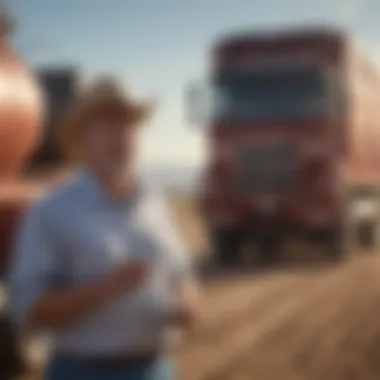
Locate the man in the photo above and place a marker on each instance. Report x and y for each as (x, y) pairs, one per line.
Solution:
(98, 262)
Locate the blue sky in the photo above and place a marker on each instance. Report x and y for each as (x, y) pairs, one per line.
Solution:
(157, 46)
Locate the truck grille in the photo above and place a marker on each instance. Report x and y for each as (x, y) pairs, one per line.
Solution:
(266, 168)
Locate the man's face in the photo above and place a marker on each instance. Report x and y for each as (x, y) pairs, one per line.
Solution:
(110, 142)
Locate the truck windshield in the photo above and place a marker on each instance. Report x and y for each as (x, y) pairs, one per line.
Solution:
(269, 96)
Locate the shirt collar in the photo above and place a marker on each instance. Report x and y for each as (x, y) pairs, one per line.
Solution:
(95, 191)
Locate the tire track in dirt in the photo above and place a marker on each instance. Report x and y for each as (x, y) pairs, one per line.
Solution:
(233, 282)
(215, 331)
(359, 357)
(235, 291)
(234, 344)
(253, 336)
(288, 353)
(338, 363)
(355, 327)
(227, 299)
(234, 311)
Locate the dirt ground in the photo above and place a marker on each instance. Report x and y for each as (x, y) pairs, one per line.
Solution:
(308, 322)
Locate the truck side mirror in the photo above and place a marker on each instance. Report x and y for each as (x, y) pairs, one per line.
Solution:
(196, 105)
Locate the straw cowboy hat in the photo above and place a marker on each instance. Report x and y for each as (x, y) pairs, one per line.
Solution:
(104, 93)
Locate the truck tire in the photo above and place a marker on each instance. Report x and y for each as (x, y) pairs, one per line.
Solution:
(227, 247)
(376, 235)
(369, 235)
(357, 232)
(343, 244)
(269, 248)
(369, 229)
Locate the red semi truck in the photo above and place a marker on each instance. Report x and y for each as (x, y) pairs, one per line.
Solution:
(293, 143)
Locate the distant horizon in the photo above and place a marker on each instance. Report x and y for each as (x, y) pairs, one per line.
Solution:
(171, 177)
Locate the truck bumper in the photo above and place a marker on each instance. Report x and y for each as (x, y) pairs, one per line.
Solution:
(280, 225)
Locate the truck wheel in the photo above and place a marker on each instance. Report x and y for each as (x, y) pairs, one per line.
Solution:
(376, 235)
(269, 250)
(227, 245)
(344, 242)
(369, 236)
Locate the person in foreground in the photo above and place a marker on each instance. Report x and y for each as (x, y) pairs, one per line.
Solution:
(98, 262)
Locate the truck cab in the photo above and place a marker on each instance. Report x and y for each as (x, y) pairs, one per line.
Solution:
(280, 137)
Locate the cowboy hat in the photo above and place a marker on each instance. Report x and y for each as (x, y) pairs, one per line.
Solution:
(105, 92)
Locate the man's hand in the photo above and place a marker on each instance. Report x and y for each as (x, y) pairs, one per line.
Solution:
(186, 312)
(184, 317)
(127, 277)
(59, 309)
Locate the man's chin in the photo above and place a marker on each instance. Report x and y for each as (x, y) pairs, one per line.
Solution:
(118, 170)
